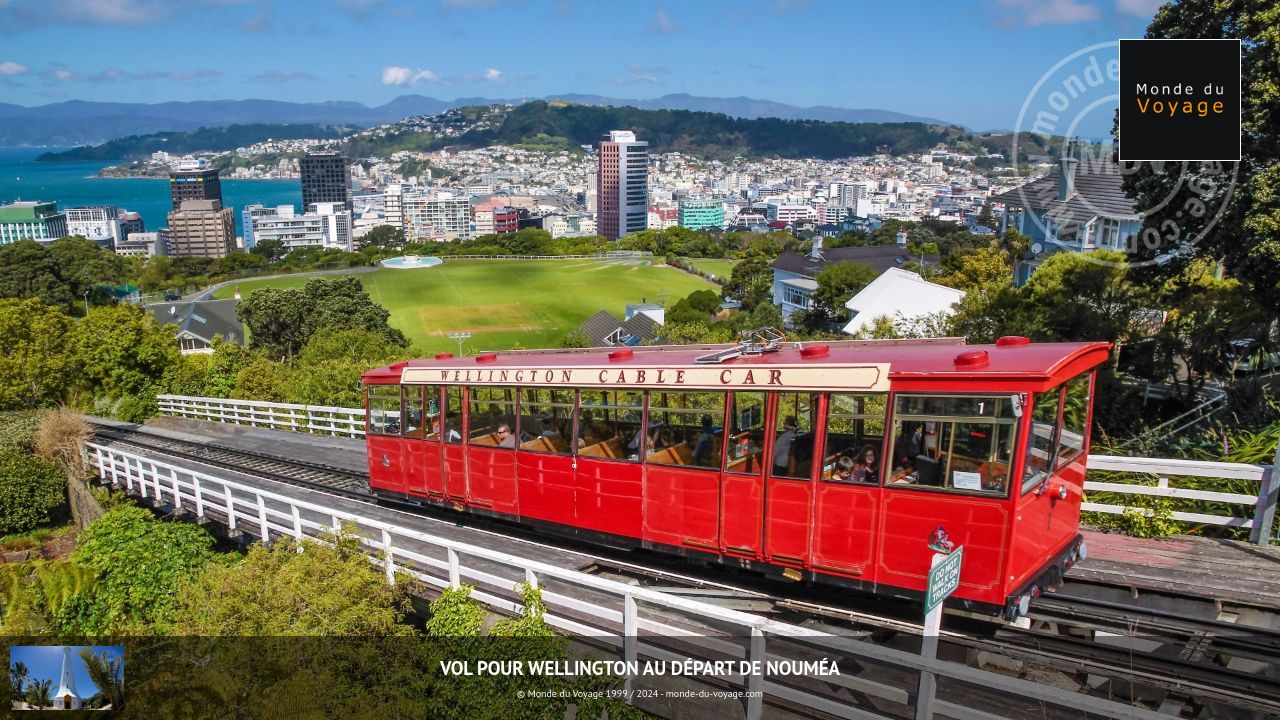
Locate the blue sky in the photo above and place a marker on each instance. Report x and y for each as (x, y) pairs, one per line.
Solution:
(44, 662)
(971, 61)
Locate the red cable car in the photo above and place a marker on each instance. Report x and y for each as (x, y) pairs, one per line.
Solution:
(848, 463)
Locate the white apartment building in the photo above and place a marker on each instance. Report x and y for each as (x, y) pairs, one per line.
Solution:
(99, 223)
(327, 225)
(436, 217)
(789, 212)
(482, 218)
(145, 244)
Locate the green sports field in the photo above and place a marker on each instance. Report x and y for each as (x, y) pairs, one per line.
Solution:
(713, 266)
(504, 302)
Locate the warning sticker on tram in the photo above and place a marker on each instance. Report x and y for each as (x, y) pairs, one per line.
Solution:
(944, 578)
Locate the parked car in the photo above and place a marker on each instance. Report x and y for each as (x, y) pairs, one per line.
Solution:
(1250, 356)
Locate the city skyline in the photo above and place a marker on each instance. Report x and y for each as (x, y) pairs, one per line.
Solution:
(902, 58)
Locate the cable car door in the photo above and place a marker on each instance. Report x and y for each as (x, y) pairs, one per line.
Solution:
(847, 494)
(789, 476)
(454, 453)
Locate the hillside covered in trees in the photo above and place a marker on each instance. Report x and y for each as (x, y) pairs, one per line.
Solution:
(214, 139)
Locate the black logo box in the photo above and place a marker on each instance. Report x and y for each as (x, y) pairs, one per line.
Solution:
(1186, 69)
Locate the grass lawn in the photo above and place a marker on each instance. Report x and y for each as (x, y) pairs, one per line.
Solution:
(713, 266)
(504, 302)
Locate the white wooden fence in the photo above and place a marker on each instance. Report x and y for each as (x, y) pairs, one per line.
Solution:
(637, 622)
(350, 422)
(1263, 501)
(315, 419)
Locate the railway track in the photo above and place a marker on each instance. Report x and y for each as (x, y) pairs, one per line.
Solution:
(1190, 659)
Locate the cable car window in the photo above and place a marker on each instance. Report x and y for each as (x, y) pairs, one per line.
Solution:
(492, 417)
(746, 433)
(412, 411)
(609, 425)
(546, 421)
(384, 409)
(1043, 440)
(793, 440)
(855, 434)
(1075, 413)
(686, 428)
(958, 443)
(453, 414)
(431, 409)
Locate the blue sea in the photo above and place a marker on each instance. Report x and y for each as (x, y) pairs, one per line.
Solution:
(71, 184)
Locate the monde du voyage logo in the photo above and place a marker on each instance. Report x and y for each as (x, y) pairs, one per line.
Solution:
(1180, 100)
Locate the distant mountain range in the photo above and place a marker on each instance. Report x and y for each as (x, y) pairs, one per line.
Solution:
(80, 122)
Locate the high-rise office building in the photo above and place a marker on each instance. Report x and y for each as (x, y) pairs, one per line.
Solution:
(623, 186)
(194, 184)
(100, 223)
(202, 228)
(27, 220)
(325, 179)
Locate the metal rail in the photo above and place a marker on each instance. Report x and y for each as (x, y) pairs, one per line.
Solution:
(639, 623)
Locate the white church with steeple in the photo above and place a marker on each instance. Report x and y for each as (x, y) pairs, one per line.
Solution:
(67, 698)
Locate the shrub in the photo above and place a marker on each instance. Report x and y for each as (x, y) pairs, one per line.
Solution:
(135, 409)
(30, 489)
(60, 436)
(141, 564)
(17, 430)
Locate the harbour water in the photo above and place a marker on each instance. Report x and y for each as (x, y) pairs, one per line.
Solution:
(71, 184)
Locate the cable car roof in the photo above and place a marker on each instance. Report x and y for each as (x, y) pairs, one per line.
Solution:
(825, 365)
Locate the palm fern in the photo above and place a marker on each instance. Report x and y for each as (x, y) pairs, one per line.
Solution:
(107, 673)
(18, 675)
(40, 694)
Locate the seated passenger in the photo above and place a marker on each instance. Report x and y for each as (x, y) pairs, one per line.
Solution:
(782, 446)
(550, 430)
(908, 445)
(843, 471)
(704, 445)
(866, 468)
(505, 437)
(663, 439)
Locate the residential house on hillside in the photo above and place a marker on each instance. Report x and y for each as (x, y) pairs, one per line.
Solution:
(642, 324)
(795, 275)
(900, 295)
(199, 322)
(1079, 207)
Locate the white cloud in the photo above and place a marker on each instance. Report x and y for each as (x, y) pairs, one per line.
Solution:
(642, 78)
(495, 75)
(1051, 12)
(9, 68)
(88, 12)
(394, 75)
(1140, 8)
(648, 70)
(662, 22)
(276, 77)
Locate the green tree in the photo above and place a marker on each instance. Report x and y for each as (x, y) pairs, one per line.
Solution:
(223, 368)
(40, 694)
(262, 379)
(575, 338)
(124, 351)
(30, 270)
(1246, 236)
(837, 282)
(327, 589)
(282, 321)
(239, 262)
(107, 673)
(987, 217)
(274, 250)
(1083, 296)
(85, 265)
(142, 564)
(37, 358)
(18, 674)
(750, 283)
(383, 236)
(988, 266)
